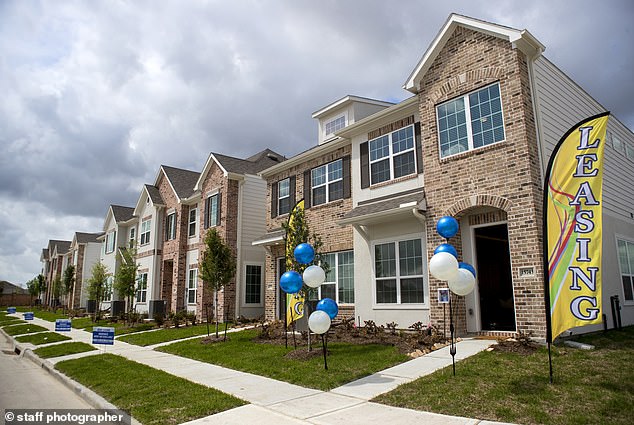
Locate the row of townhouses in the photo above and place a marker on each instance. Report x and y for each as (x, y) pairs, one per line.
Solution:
(473, 141)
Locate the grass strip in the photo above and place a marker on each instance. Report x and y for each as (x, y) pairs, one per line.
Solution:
(346, 362)
(152, 396)
(65, 349)
(42, 338)
(23, 329)
(87, 324)
(49, 316)
(590, 387)
(166, 335)
(5, 321)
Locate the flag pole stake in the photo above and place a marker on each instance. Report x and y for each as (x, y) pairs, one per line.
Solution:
(323, 344)
(550, 363)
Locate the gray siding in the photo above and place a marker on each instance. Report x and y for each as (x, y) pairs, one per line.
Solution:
(561, 103)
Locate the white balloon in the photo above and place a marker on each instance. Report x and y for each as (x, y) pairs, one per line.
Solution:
(319, 322)
(443, 266)
(314, 276)
(463, 283)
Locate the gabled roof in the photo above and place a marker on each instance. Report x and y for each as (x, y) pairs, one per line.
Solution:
(182, 181)
(121, 213)
(154, 194)
(58, 247)
(81, 237)
(44, 255)
(345, 101)
(236, 166)
(521, 39)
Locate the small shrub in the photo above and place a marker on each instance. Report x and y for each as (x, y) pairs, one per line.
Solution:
(392, 327)
(159, 320)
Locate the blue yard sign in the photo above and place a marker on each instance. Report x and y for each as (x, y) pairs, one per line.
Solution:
(11, 310)
(62, 325)
(101, 335)
(28, 315)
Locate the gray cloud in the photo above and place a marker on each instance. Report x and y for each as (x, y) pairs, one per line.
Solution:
(96, 95)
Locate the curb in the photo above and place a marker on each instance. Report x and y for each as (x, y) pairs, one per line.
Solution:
(91, 397)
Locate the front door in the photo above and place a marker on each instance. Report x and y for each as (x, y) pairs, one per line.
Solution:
(495, 283)
(281, 295)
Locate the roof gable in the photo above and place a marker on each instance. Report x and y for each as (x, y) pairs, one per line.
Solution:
(521, 39)
(181, 181)
(153, 194)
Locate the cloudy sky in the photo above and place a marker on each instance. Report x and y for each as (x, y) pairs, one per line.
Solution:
(96, 95)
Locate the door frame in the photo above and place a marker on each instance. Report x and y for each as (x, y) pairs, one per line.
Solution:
(474, 321)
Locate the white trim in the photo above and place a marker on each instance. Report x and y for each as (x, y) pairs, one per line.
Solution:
(243, 301)
(392, 155)
(628, 239)
(424, 275)
(326, 183)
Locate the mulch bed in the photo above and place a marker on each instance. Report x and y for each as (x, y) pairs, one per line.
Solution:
(522, 347)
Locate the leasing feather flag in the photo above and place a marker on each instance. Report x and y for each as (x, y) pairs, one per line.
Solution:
(294, 302)
(573, 227)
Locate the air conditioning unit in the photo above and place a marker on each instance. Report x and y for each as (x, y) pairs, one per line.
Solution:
(117, 308)
(156, 307)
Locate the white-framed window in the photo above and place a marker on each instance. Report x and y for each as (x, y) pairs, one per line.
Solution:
(193, 221)
(132, 236)
(146, 226)
(470, 121)
(327, 182)
(212, 210)
(392, 155)
(107, 290)
(253, 284)
(334, 125)
(192, 284)
(339, 283)
(170, 226)
(141, 288)
(625, 250)
(284, 196)
(111, 239)
(398, 272)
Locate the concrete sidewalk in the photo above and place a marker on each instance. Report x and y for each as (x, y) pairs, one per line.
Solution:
(280, 403)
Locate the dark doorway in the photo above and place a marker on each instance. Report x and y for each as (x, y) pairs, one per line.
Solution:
(166, 287)
(495, 283)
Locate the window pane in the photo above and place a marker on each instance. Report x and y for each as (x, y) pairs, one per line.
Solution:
(284, 188)
(319, 195)
(412, 290)
(453, 138)
(486, 115)
(380, 171)
(328, 291)
(379, 148)
(253, 284)
(329, 264)
(385, 260)
(404, 164)
(345, 276)
(335, 170)
(410, 257)
(402, 140)
(627, 288)
(623, 262)
(335, 191)
(386, 291)
(319, 176)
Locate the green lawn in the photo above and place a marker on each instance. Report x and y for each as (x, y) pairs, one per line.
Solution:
(9, 320)
(42, 338)
(87, 324)
(346, 362)
(151, 396)
(23, 329)
(590, 387)
(49, 316)
(171, 334)
(63, 349)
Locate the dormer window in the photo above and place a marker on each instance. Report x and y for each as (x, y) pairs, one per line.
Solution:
(334, 125)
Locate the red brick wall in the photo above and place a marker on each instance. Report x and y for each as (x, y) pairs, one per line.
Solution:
(504, 175)
(321, 220)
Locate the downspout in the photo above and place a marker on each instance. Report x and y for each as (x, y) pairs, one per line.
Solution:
(535, 101)
(236, 312)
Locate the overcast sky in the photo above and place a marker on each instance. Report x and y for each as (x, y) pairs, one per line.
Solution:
(96, 95)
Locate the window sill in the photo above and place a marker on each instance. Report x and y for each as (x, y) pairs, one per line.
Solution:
(394, 181)
(327, 204)
(400, 307)
(492, 146)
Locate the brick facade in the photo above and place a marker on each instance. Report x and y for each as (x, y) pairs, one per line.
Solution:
(321, 220)
(79, 276)
(503, 179)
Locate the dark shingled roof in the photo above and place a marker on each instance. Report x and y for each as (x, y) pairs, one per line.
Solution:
(386, 204)
(122, 213)
(155, 195)
(183, 181)
(45, 253)
(252, 165)
(62, 246)
(87, 237)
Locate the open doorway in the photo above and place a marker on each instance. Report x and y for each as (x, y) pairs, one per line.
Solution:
(495, 281)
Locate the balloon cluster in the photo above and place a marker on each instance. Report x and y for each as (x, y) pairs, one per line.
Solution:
(291, 282)
(444, 264)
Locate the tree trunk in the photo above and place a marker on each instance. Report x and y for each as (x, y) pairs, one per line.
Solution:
(216, 311)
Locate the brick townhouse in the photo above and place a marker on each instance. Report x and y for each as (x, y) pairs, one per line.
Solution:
(84, 251)
(472, 142)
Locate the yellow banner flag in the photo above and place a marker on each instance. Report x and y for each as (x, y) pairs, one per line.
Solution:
(573, 201)
(294, 302)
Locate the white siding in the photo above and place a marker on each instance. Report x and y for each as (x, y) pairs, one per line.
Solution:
(561, 104)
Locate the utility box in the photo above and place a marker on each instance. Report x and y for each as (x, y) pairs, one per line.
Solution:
(91, 307)
(156, 307)
(117, 308)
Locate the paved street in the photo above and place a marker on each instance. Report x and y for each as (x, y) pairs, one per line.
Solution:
(24, 385)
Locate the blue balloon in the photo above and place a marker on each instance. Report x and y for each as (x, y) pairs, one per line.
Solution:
(291, 282)
(304, 253)
(328, 306)
(447, 227)
(468, 267)
(445, 247)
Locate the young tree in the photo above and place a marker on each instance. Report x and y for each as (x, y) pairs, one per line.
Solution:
(32, 287)
(41, 285)
(57, 291)
(217, 266)
(98, 286)
(68, 282)
(126, 277)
